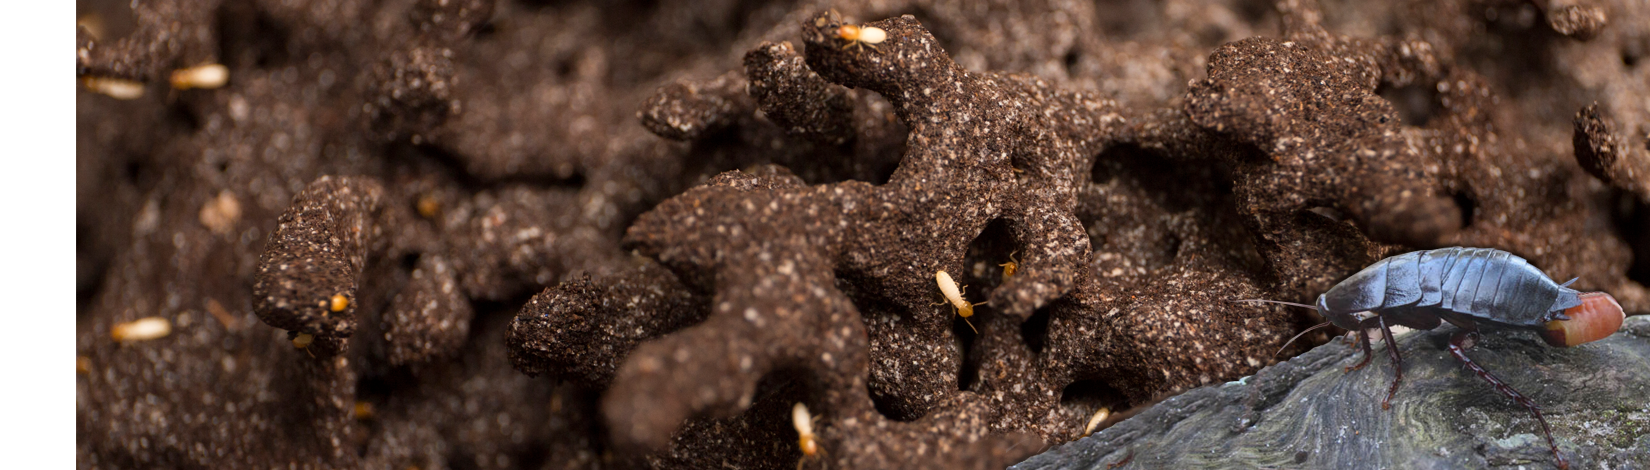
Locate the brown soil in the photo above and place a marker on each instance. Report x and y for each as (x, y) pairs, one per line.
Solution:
(582, 234)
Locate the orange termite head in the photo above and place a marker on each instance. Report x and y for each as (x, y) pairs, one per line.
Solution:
(809, 448)
(848, 31)
(1598, 316)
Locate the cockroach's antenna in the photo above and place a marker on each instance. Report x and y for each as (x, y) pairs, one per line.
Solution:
(1292, 304)
(1277, 302)
(1303, 333)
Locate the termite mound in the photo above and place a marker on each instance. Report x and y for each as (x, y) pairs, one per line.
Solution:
(505, 140)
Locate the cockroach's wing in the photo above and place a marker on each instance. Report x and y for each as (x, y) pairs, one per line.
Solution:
(1403, 280)
(1483, 298)
(1525, 294)
(1432, 265)
(1365, 290)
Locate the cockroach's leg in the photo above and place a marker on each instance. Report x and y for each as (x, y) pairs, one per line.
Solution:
(1363, 338)
(1125, 461)
(1458, 346)
(1397, 363)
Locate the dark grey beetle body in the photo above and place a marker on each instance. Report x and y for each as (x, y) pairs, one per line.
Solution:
(1470, 285)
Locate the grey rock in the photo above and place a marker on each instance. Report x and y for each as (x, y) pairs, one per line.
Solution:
(1308, 413)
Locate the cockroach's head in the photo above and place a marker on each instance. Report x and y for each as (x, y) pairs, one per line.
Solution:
(1596, 317)
(1345, 320)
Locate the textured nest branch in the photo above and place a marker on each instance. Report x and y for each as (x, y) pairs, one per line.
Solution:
(775, 239)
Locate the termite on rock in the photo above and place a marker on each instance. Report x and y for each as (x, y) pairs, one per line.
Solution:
(1469, 288)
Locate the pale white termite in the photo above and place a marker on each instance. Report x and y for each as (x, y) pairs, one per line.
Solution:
(804, 423)
(118, 88)
(955, 296)
(1100, 415)
(857, 35)
(203, 76)
(142, 329)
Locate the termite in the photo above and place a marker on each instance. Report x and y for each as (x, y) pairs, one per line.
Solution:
(805, 438)
(955, 296)
(205, 76)
(1100, 416)
(1010, 267)
(303, 340)
(363, 410)
(338, 303)
(1467, 287)
(428, 206)
(870, 36)
(119, 88)
(142, 329)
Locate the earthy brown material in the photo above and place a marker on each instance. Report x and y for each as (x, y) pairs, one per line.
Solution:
(723, 212)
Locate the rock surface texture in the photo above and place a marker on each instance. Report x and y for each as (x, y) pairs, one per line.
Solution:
(1310, 413)
(577, 234)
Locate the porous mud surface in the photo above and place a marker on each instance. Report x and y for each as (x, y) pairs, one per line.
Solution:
(526, 234)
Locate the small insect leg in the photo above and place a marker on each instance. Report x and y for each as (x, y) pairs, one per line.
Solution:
(1458, 345)
(1119, 463)
(1397, 363)
(1363, 338)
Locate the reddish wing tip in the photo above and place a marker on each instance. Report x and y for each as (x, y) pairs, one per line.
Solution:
(1598, 316)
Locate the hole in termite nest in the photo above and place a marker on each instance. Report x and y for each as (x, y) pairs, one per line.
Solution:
(1468, 208)
(1417, 103)
(983, 271)
(1085, 397)
(1034, 331)
(770, 410)
(1137, 209)
(1632, 220)
(969, 373)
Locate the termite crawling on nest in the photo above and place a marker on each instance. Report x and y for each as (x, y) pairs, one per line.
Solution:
(805, 439)
(1010, 267)
(869, 36)
(1466, 287)
(948, 287)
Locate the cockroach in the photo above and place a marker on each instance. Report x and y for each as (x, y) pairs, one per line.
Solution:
(1469, 288)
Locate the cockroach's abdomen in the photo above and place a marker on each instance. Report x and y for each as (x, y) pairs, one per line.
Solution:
(1598, 316)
